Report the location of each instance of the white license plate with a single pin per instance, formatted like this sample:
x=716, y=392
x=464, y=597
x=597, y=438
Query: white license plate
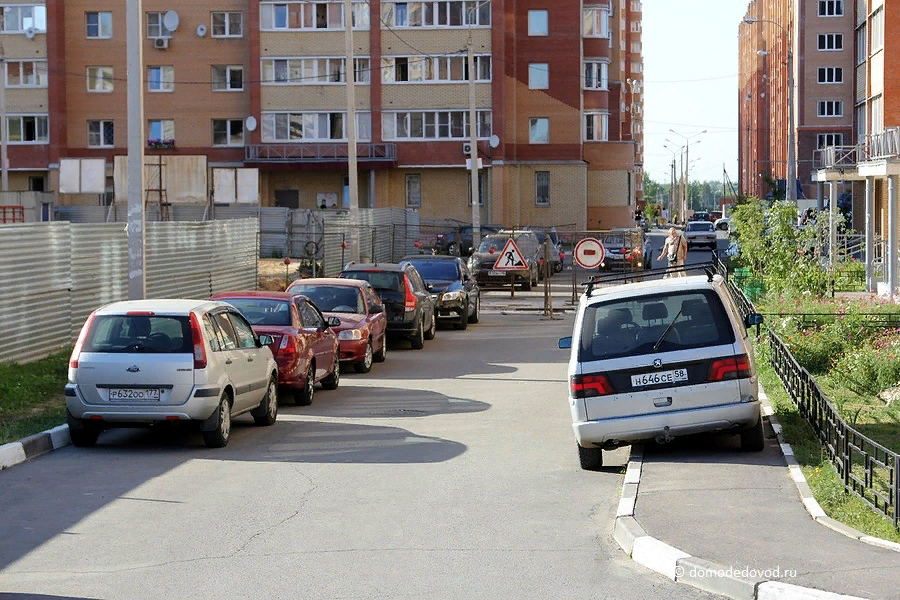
x=497, y=273
x=136, y=394
x=659, y=378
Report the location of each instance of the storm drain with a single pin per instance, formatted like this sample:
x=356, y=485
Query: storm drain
x=397, y=411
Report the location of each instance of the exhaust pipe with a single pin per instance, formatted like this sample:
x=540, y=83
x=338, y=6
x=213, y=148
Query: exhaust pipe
x=665, y=437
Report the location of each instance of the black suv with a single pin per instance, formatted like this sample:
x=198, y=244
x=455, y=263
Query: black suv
x=482, y=261
x=408, y=305
x=453, y=289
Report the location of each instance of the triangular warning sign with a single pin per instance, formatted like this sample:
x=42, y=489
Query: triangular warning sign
x=510, y=259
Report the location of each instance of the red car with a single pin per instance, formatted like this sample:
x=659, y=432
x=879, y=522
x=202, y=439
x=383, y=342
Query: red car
x=305, y=345
x=363, y=322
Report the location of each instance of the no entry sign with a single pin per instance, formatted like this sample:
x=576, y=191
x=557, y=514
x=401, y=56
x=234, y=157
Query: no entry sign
x=589, y=253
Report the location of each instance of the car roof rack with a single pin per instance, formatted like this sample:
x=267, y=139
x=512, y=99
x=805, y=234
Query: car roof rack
x=707, y=267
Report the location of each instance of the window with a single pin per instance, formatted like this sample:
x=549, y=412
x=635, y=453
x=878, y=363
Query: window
x=228, y=132
x=830, y=108
x=538, y=76
x=636, y=47
x=28, y=129
x=228, y=78
x=98, y=25
x=100, y=79
x=26, y=73
x=636, y=67
x=861, y=121
x=227, y=24
x=433, y=125
x=877, y=114
x=831, y=75
x=413, y=190
x=831, y=42
x=824, y=140
x=538, y=22
x=482, y=179
x=437, y=69
x=361, y=70
x=453, y=13
x=101, y=134
x=161, y=79
x=294, y=16
x=877, y=30
x=312, y=126
x=861, y=54
x=831, y=8
x=309, y=71
x=595, y=22
x=542, y=188
x=539, y=130
x=155, y=27
x=596, y=127
x=161, y=130
x=20, y=18
x=596, y=75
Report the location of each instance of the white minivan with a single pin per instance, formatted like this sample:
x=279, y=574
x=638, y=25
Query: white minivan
x=660, y=359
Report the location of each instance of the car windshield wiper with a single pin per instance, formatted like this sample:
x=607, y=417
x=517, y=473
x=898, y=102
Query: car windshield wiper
x=666, y=332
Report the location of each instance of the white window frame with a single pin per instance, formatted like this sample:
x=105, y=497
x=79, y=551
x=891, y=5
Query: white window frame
x=435, y=69
x=876, y=114
x=269, y=16
x=38, y=67
x=163, y=80
x=156, y=30
x=272, y=121
x=538, y=199
x=225, y=86
x=413, y=200
x=533, y=29
x=830, y=75
x=595, y=22
x=162, y=124
x=100, y=25
x=103, y=124
x=436, y=14
x=830, y=8
x=833, y=38
x=303, y=70
x=228, y=143
x=37, y=128
x=362, y=70
x=599, y=74
x=532, y=122
x=21, y=23
x=537, y=71
x=876, y=29
x=593, y=121
x=825, y=140
x=229, y=18
x=399, y=125
x=835, y=106
x=102, y=75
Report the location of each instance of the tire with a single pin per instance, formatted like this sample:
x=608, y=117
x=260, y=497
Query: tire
x=365, y=365
x=267, y=412
x=84, y=434
x=526, y=287
x=430, y=333
x=218, y=437
x=381, y=355
x=305, y=396
x=753, y=439
x=463, y=322
x=474, y=317
x=591, y=459
x=417, y=341
x=334, y=380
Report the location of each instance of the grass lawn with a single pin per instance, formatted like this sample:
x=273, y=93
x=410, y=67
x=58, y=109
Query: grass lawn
x=31, y=396
x=871, y=416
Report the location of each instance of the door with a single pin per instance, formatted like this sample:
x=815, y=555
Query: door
x=254, y=360
x=287, y=198
x=235, y=364
x=314, y=327
x=378, y=322
x=425, y=302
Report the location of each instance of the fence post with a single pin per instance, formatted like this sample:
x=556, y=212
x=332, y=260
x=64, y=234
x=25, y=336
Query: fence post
x=896, y=491
x=394, y=256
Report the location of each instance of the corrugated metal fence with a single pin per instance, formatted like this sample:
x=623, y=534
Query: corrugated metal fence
x=52, y=275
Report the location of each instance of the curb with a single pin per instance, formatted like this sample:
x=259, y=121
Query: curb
x=806, y=495
x=681, y=567
x=33, y=446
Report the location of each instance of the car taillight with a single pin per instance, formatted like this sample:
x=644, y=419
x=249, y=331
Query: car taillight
x=590, y=386
x=76, y=351
x=287, y=346
x=734, y=367
x=409, y=303
x=197, y=341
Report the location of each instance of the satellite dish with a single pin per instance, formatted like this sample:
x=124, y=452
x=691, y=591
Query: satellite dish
x=250, y=123
x=30, y=33
x=170, y=20
x=494, y=141
x=201, y=30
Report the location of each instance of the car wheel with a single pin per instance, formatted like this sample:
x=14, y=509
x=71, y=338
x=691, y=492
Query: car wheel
x=381, y=355
x=267, y=412
x=218, y=437
x=463, y=322
x=591, y=459
x=365, y=365
x=753, y=439
x=305, y=396
x=84, y=434
x=527, y=285
x=334, y=380
x=417, y=341
x=474, y=317
x=429, y=334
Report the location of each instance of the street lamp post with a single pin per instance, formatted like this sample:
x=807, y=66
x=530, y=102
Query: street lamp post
x=672, y=185
x=687, y=160
x=791, y=183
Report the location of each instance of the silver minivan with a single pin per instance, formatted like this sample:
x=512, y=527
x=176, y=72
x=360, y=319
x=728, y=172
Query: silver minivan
x=660, y=359
x=147, y=361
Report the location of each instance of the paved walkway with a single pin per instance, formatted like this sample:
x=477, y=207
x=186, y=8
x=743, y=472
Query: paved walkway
x=706, y=497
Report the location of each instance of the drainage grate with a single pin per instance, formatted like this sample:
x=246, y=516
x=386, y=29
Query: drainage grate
x=398, y=411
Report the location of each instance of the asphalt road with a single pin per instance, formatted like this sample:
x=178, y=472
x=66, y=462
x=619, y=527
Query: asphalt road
x=444, y=473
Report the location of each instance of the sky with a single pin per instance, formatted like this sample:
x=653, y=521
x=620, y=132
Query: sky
x=683, y=42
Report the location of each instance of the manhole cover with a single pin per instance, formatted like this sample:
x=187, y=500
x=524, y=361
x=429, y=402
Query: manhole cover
x=398, y=411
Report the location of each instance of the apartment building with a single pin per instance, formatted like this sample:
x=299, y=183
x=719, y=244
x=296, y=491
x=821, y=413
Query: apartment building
x=820, y=34
x=262, y=84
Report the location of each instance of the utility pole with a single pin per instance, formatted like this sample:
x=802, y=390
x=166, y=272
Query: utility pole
x=4, y=125
x=353, y=174
x=137, y=280
x=473, y=150
x=791, y=186
x=672, y=189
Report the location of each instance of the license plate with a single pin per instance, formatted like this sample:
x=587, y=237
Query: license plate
x=659, y=378
x=497, y=273
x=136, y=394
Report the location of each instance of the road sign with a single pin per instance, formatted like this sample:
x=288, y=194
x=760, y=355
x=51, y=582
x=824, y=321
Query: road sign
x=510, y=259
x=589, y=253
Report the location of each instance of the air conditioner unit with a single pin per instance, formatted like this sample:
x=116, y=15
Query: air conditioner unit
x=467, y=148
x=161, y=43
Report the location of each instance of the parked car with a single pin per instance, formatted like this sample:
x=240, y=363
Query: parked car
x=147, y=361
x=362, y=333
x=700, y=233
x=408, y=304
x=722, y=224
x=455, y=292
x=715, y=215
x=305, y=346
x=557, y=255
x=627, y=249
x=481, y=263
x=700, y=215
x=658, y=360
x=466, y=236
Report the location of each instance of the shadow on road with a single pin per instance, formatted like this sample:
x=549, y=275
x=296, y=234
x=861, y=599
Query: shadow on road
x=715, y=448
x=385, y=402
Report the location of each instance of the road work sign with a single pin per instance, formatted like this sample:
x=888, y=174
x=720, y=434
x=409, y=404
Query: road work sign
x=510, y=259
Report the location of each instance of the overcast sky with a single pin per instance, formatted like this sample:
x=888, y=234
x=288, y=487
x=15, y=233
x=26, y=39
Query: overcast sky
x=685, y=41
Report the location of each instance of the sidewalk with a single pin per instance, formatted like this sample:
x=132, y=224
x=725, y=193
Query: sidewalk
x=707, y=498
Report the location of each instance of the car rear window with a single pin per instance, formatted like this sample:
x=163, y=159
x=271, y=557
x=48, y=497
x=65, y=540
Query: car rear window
x=700, y=226
x=436, y=270
x=332, y=298
x=263, y=311
x=380, y=280
x=139, y=333
x=613, y=239
x=632, y=326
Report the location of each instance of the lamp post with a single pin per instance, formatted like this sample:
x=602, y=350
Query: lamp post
x=687, y=160
x=791, y=183
x=672, y=186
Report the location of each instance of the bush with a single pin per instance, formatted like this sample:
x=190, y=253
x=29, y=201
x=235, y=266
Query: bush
x=872, y=368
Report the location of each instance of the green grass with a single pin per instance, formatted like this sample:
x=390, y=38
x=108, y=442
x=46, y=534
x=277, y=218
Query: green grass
x=869, y=415
x=31, y=396
x=824, y=481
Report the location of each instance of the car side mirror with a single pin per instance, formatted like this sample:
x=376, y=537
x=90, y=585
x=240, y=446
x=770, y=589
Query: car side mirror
x=333, y=322
x=266, y=340
x=429, y=287
x=376, y=309
x=565, y=343
x=754, y=319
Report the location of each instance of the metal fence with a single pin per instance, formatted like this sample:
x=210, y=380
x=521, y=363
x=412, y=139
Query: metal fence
x=52, y=275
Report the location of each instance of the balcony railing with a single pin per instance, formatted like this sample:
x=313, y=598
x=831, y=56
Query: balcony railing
x=836, y=157
x=288, y=153
x=877, y=146
x=883, y=145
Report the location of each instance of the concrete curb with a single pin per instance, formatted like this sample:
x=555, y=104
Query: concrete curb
x=681, y=567
x=33, y=446
x=806, y=496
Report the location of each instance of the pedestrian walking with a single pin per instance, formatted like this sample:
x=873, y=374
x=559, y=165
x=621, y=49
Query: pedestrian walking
x=675, y=250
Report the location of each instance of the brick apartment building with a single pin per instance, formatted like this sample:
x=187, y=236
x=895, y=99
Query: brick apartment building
x=570, y=131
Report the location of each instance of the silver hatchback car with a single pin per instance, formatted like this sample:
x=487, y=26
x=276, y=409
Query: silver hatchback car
x=146, y=361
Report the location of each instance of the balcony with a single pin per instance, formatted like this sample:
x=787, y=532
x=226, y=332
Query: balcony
x=876, y=147
x=319, y=153
x=837, y=157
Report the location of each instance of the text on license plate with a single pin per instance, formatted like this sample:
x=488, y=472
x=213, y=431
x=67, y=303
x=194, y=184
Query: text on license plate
x=658, y=378
x=139, y=394
x=494, y=273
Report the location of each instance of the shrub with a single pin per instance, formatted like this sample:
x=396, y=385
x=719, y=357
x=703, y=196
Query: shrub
x=873, y=367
